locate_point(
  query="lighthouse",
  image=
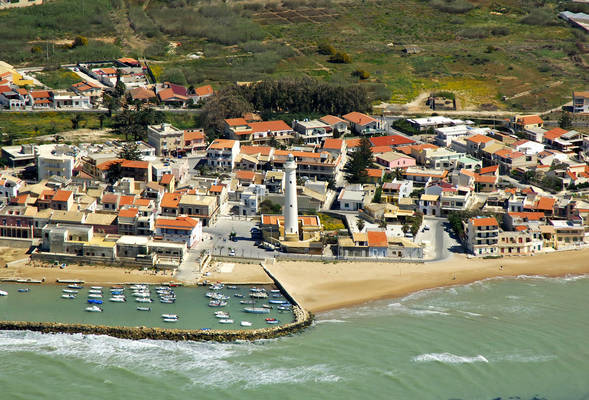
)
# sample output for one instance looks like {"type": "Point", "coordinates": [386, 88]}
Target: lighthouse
{"type": "Point", "coordinates": [291, 214]}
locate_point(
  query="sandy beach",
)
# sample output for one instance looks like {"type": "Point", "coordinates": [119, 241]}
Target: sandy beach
{"type": "Point", "coordinates": [321, 287]}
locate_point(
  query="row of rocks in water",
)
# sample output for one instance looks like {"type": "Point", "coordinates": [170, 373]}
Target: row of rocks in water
{"type": "Point", "coordinates": [302, 320]}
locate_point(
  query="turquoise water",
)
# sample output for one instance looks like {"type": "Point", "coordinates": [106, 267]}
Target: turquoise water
{"type": "Point", "coordinates": [519, 338]}
{"type": "Point", "coordinates": [44, 303]}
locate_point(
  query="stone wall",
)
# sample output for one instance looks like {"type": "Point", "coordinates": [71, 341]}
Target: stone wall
{"type": "Point", "coordinates": [303, 319]}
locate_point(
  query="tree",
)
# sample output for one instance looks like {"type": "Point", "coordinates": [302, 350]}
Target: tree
{"type": "Point", "coordinates": [76, 119]}
{"type": "Point", "coordinates": [130, 151]}
{"type": "Point", "coordinates": [111, 102]}
{"type": "Point", "coordinates": [114, 172]}
{"type": "Point", "coordinates": [377, 195]}
{"type": "Point", "coordinates": [360, 224]}
{"type": "Point", "coordinates": [565, 121]}
{"type": "Point", "coordinates": [101, 118]}
{"type": "Point", "coordinates": [267, 207]}
{"type": "Point", "coordinates": [359, 160]}
{"type": "Point", "coordinates": [79, 41]}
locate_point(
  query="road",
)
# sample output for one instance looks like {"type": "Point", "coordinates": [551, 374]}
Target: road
{"type": "Point", "coordinates": [439, 239]}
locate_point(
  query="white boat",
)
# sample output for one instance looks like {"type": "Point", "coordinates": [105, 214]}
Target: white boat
{"type": "Point", "coordinates": [222, 316]}
{"type": "Point", "coordinates": [95, 296]}
{"type": "Point", "coordinates": [143, 300]}
{"type": "Point", "coordinates": [245, 323]}
{"type": "Point", "coordinates": [272, 321]}
{"type": "Point", "coordinates": [73, 286]}
{"type": "Point", "coordinates": [217, 303]}
{"type": "Point", "coordinates": [96, 287]}
{"type": "Point", "coordinates": [141, 294]}
{"type": "Point", "coordinates": [143, 308]}
{"type": "Point", "coordinates": [225, 321]}
{"type": "Point", "coordinates": [93, 309]}
{"type": "Point", "coordinates": [256, 310]}
{"type": "Point", "coordinates": [95, 291]}
{"type": "Point", "coordinates": [117, 299]}
{"type": "Point", "coordinates": [170, 319]}
{"type": "Point", "coordinates": [68, 296]}
{"type": "Point", "coordinates": [274, 291]}
{"type": "Point", "coordinates": [169, 316]}
{"type": "Point", "coordinates": [69, 291]}
{"type": "Point", "coordinates": [259, 295]}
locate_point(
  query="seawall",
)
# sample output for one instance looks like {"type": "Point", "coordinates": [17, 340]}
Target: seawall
{"type": "Point", "coordinates": [302, 320]}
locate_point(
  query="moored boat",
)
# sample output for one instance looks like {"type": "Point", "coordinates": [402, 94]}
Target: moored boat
{"type": "Point", "coordinates": [239, 295]}
{"type": "Point", "coordinates": [217, 303]}
{"type": "Point", "coordinates": [143, 300]}
{"type": "Point", "coordinates": [225, 321]}
{"type": "Point", "coordinates": [96, 287]}
{"type": "Point", "coordinates": [117, 299]}
{"type": "Point", "coordinates": [268, 306]}
{"type": "Point", "coordinates": [69, 291]}
{"type": "Point", "coordinates": [74, 286]}
{"type": "Point", "coordinates": [143, 308]}
{"type": "Point", "coordinates": [259, 295]}
{"type": "Point", "coordinates": [68, 296]}
{"type": "Point", "coordinates": [272, 321]}
{"type": "Point", "coordinates": [170, 316]}
{"type": "Point", "coordinates": [24, 290]}
{"type": "Point", "coordinates": [256, 310]}
{"type": "Point", "coordinates": [170, 319]}
{"type": "Point", "coordinates": [94, 301]}
{"type": "Point", "coordinates": [247, 302]}
{"type": "Point", "coordinates": [93, 309]}
{"type": "Point", "coordinates": [95, 296]}
{"type": "Point", "coordinates": [245, 323]}
{"type": "Point", "coordinates": [277, 301]}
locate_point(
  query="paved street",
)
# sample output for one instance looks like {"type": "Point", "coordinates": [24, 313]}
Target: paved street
{"type": "Point", "coordinates": [438, 239]}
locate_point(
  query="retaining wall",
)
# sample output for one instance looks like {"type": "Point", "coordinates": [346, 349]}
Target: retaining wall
{"type": "Point", "coordinates": [303, 319]}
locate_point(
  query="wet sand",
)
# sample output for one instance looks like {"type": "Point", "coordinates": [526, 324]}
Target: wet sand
{"type": "Point", "coordinates": [324, 286]}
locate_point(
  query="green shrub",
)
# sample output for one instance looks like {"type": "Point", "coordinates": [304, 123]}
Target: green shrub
{"type": "Point", "coordinates": [452, 6]}
{"type": "Point", "coordinates": [360, 73]}
{"type": "Point", "coordinates": [326, 49]}
{"type": "Point", "coordinates": [340, 57]}
{"type": "Point", "coordinates": [540, 17]}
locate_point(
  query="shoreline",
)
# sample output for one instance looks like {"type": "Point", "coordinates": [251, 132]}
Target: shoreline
{"type": "Point", "coordinates": [324, 287]}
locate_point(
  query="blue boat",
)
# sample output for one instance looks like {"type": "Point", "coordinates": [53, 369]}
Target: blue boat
{"type": "Point", "coordinates": [277, 301]}
{"type": "Point", "coordinates": [94, 301]}
{"type": "Point", "coordinates": [24, 290]}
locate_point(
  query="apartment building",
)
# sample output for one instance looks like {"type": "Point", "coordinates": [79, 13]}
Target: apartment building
{"type": "Point", "coordinates": [482, 235]}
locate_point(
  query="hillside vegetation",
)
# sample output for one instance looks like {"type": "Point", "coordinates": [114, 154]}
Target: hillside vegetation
{"type": "Point", "coordinates": [481, 50]}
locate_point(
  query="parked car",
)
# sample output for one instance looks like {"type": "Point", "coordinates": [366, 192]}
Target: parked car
{"type": "Point", "coordinates": [426, 227]}
{"type": "Point", "coordinates": [408, 235]}
{"type": "Point", "coordinates": [232, 253]}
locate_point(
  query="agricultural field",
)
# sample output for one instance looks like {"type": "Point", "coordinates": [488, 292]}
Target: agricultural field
{"type": "Point", "coordinates": [504, 54]}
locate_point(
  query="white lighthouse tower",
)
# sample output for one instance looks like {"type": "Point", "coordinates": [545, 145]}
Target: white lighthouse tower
{"type": "Point", "coordinates": [291, 214]}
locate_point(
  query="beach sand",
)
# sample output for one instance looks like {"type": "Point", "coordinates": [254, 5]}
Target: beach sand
{"type": "Point", "coordinates": [324, 286]}
{"type": "Point", "coordinates": [235, 273]}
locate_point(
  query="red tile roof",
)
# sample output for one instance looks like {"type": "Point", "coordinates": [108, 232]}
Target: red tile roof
{"type": "Point", "coordinates": [381, 149]}
{"type": "Point", "coordinates": [351, 143]}
{"type": "Point", "coordinates": [128, 213]}
{"type": "Point", "coordinates": [245, 175]}
{"type": "Point", "coordinates": [135, 164]}
{"type": "Point", "coordinates": [478, 138]}
{"type": "Point", "coordinates": [486, 221]}
{"type": "Point", "coordinates": [545, 203]}
{"type": "Point", "coordinates": [358, 118]}
{"type": "Point", "coordinates": [193, 134]}
{"type": "Point", "coordinates": [126, 200]}
{"type": "Point", "coordinates": [110, 198]}
{"type": "Point", "coordinates": [62, 195]}
{"type": "Point", "coordinates": [333, 144]}
{"type": "Point", "coordinates": [377, 239]}
{"type": "Point", "coordinates": [391, 140]}
{"type": "Point", "coordinates": [489, 170]}
{"type": "Point", "coordinates": [235, 121]}
{"type": "Point", "coordinates": [374, 172]}
{"type": "Point", "coordinates": [142, 202]}
{"type": "Point", "coordinates": [331, 119]}
{"type": "Point", "coordinates": [206, 90]}
{"type": "Point", "coordinates": [266, 126]}
{"type": "Point", "coordinates": [251, 150]}
{"type": "Point", "coordinates": [216, 188]}
{"type": "Point", "coordinates": [486, 178]}
{"type": "Point", "coordinates": [183, 223]}
{"type": "Point", "coordinates": [166, 179]}
{"type": "Point", "coordinates": [529, 120]}
{"type": "Point", "coordinates": [170, 200]}
{"type": "Point", "coordinates": [529, 215]}
{"type": "Point", "coordinates": [554, 133]}
{"type": "Point", "coordinates": [221, 144]}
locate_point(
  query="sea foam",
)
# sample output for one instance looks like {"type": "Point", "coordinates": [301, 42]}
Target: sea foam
{"type": "Point", "coordinates": [448, 358]}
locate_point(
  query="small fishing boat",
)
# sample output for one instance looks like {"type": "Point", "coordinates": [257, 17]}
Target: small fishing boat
{"type": "Point", "coordinates": [276, 295]}
{"type": "Point", "coordinates": [117, 299]}
{"type": "Point", "coordinates": [216, 286]}
{"type": "Point", "coordinates": [74, 286]}
{"type": "Point", "coordinates": [94, 291]}
{"type": "Point", "coordinates": [274, 291]}
{"type": "Point", "coordinates": [259, 295]}
{"type": "Point", "coordinates": [94, 301]}
{"type": "Point", "coordinates": [68, 296]}
{"type": "Point", "coordinates": [272, 321]}
{"type": "Point", "coordinates": [247, 302]}
{"type": "Point", "coordinates": [24, 290]}
{"type": "Point", "coordinates": [69, 291]}
{"type": "Point", "coordinates": [143, 308]}
{"type": "Point", "coordinates": [116, 287]}
{"type": "Point", "coordinates": [170, 316]}
{"type": "Point", "coordinates": [170, 319]}
{"type": "Point", "coordinates": [245, 323]}
{"type": "Point", "coordinates": [232, 287]}
{"type": "Point", "coordinates": [143, 300]}
{"type": "Point", "coordinates": [239, 295]}
{"type": "Point", "coordinates": [217, 303]}
{"type": "Point", "coordinates": [117, 293]}
{"type": "Point", "coordinates": [222, 316]}
{"type": "Point", "coordinates": [167, 301]}
{"type": "Point", "coordinates": [95, 296]}
{"type": "Point", "coordinates": [3, 293]}
{"type": "Point", "coordinates": [96, 287]}
{"type": "Point", "coordinates": [256, 310]}
{"type": "Point", "coordinates": [268, 306]}
{"type": "Point", "coordinates": [284, 308]}
{"type": "Point", "coordinates": [277, 301]}
{"type": "Point", "coordinates": [141, 294]}
{"type": "Point", "coordinates": [225, 321]}
{"type": "Point", "coordinates": [93, 309]}
{"type": "Point", "coordinates": [257, 290]}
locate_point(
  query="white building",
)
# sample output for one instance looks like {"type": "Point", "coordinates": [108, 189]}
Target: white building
{"type": "Point", "coordinates": [313, 131]}
{"type": "Point", "coordinates": [291, 210]}
{"type": "Point", "coordinates": [423, 124]}
{"type": "Point", "coordinates": [222, 153]}
{"type": "Point", "coordinates": [180, 229]}
{"type": "Point", "coordinates": [250, 199]}
{"type": "Point", "coordinates": [482, 235]}
{"type": "Point", "coordinates": [165, 138]}
{"type": "Point", "coordinates": [9, 186]}
{"type": "Point", "coordinates": [351, 198]}
{"type": "Point", "coordinates": [55, 160]}
{"type": "Point", "coordinates": [71, 101]}
{"type": "Point", "coordinates": [581, 102]}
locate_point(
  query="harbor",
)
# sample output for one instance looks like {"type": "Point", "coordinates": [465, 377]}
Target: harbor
{"type": "Point", "coordinates": [205, 308]}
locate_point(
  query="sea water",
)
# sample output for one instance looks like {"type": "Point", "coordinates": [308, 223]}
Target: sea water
{"type": "Point", "coordinates": [524, 338]}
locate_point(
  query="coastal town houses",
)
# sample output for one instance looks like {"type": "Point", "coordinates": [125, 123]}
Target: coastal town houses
{"type": "Point", "coordinates": [180, 229]}
{"type": "Point", "coordinates": [482, 236]}
{"type": "Point", "coordinates": [312, 131]}
{"type": "Point", "coordinates": [362, 124]}
{"type": "Point", "coordinates": [376, 244]}
{"type": "Point", "coordinates": [260, 132]}
{"type": "Point", "coordinates": [338, 126]}
{"type": "Point", "coordinates": [522, 122]}
{"type": "Point", "coordinates": [320, 166]}
{"type": "Point", "coordinates": [581, 101]}
{"type": "Point", "coordinates": [165, 138]}
{"type": "Point", "coordinates": [222, 153]}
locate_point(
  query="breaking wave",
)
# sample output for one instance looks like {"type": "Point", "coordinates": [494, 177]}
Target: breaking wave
{"type": "Point", "coordinates": [448, 358]}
